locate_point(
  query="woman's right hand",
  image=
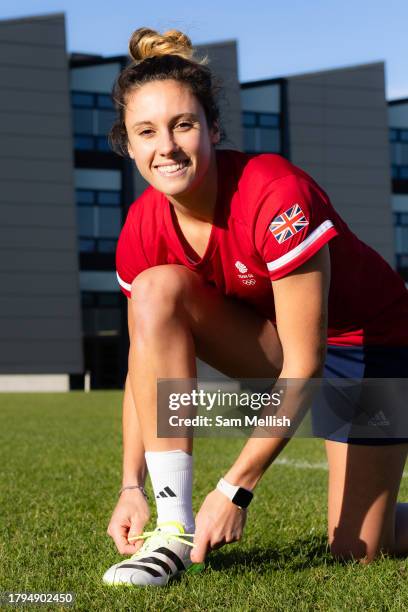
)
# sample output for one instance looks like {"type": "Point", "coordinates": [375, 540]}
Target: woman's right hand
{"type": "Point", "coordinates": [128, 519]}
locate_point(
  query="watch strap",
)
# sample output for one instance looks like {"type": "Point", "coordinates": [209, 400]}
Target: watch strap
{"type": "Point", "coordinates": [238, 495]}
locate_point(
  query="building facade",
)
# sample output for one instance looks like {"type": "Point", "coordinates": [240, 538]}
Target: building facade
{"type": "Point", "coordinates": [398, 124]}
{"type": "Point", "coordinates": [40, 315]}
{"type": "Point", "coordinates": [66, 194]}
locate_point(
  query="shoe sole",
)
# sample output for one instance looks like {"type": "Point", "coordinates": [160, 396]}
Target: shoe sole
{"type": "Point", "coordinates": [195, 568]}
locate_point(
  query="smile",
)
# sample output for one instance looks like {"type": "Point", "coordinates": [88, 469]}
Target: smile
{"type": "Point", "coordinates": [173, 169]}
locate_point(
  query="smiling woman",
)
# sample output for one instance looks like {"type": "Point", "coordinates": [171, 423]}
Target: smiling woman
{"type": "Point", "coordinates": [243, 261]}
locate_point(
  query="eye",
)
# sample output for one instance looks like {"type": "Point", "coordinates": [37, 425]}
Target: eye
{"type": "Point", "coordinates": [146, 132]}
{"type": "Point", "coordinates": [184, 125]}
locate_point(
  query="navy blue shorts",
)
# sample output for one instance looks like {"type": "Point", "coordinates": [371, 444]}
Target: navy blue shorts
{"type": "Point", "coordinates": [351, 406]}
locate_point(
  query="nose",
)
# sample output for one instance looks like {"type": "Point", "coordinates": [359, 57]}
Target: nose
{"type": "Point", "coordinates": [167, 144]}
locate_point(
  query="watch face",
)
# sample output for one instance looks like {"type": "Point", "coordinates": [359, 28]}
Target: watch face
{"type": "Point", "coordinates": [242, 498]}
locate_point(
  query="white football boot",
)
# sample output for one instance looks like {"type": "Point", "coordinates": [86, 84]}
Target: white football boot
{"type": "Point", "coordinates": [164, 555]}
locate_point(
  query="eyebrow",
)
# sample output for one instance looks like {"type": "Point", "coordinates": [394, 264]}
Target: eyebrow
{"type": "Point", "coordinates": [175, 118]}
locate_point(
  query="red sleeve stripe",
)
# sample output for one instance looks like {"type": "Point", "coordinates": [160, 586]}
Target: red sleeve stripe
{"type": "Point", "coordinates": [123, 284]}
{"type": "Point", "coordinates": [303, 246]}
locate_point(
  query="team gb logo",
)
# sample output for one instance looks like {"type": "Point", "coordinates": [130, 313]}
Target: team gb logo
{"type": "Point", "coordinates": [241, 267]}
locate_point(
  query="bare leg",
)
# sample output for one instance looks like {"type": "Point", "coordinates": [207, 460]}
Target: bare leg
{"type": "Point", "coordinates": [177, 315]}
{"type": "Point", "coordinates": [363, 519]}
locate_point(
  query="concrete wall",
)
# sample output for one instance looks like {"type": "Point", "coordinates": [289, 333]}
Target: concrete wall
{"type": "Point", "coordinates": [339, 134]}
{"type": "Point", "coordinates": [40, 329]}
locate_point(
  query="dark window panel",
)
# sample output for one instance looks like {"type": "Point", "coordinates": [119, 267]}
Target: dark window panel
{"type": "Point", "coordinates": [393, 134]}
{"type": "Point", "coordinates": [105, 120]}
{"type": "Point", "coordinates": [403, 153]}
{"type": "Point", "coordinates": [106, 246]}
{"type": "Point", "coordinates": [268, 120]}
{"type": "Point", "coordinates": [108, 319]}
{"type": "Point", "coordinates": [83, 121]}
{"type": "Point", "coordinates": [87, 298]}
{"type": "Point", "coordinates": [110, 222]}
{"type": "Point", "coordinates": [108, 198]}
{"type": "Point", "coordinates": [248, 119]}
{"type": "Point", "coordinates": [269, 140]}
{"type": "Point", "coordinates": [85, 196]}
{"type": "Point", "coordinates": [86, 222]}
{"type": "Point", "coordinates": [108, 299]}
{"type": "Point", "coordinates": [83, 143]}
{"type": "Point", "coordinates": [249, 139]}
{"type": "Point", "coordinates": [87, 245]}
{"type": "Point", "coordinates": [104, 101]}
{"type": "Point", "coordinates": [82, 99]}
{"type": "Point", "coordinates": [102, 144]}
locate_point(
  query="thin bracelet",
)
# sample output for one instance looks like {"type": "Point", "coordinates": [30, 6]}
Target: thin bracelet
{"type": "Point", "coordinates": [140, 487]}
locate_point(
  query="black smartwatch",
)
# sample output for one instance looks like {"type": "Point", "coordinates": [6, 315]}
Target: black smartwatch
{"type": "Point", "coordinates": [238, 495]}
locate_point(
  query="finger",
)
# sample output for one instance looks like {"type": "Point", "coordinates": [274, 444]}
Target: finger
{"type": "Point", "coordinates": [200, 550]}
{"type": "Point", "coordinates": [133, 539]}
{"type": "Point", "coordinates": [119, 536]}
{"type": "Point", "coordinates": [123, 546]}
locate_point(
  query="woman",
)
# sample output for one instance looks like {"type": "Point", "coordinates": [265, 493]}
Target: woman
{"type": "Point", "coordinates": [209, 221]}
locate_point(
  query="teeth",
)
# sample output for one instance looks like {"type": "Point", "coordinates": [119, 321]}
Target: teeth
{"type": "Point", "coordinates": [172, 167]}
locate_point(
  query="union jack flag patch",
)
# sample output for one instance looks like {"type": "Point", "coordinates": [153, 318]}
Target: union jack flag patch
{"type": "Point", "coordinates": [288, 223]}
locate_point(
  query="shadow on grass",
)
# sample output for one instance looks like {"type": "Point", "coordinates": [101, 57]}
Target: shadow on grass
{"type": "Point", "coordinates": [299, 554]}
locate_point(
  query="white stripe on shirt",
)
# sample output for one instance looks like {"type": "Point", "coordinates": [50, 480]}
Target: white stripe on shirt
{"type": "Point", "coordinates": [123, 284]}
{"type": "Point", "coordinates": [291, 255]}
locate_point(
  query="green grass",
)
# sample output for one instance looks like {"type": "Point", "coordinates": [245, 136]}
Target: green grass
{"type": "Point", "coordinates": [60, 470]}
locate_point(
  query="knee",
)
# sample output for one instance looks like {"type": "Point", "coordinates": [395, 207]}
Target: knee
{"type": "Point", "coordinates": [160, 291]}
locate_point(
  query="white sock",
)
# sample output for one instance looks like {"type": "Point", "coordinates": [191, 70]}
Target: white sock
{"type": "Point", "coordinates": [171, 473]}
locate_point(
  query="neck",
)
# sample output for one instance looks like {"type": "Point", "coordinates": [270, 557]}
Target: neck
{"type": "Point", "coordinates": [200, 204]}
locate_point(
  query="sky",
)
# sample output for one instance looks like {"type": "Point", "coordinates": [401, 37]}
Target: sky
{"type": "Point", "coordinates": [274, 38]}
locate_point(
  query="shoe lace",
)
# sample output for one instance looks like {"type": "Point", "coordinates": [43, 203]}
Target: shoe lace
{"type": "Point", "coordinates": [158, 537]}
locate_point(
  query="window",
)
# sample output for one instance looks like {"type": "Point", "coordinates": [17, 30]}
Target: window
{"type": "Point", "coordinates": [83, 121]}
{"type": "Point", "coordinates": [101, 313]}
{"type": "Point", "coordinates": [99, 216]}
{"type": "Point", "coordinates": [104, 101]}
{"type": "Point", "coordinates": [93, 116]}
{"type": "Point", "coordinates": [401, 242]}
{"type": "Point", "coordinates": [79, 99]}
{"type": "Point", "coordinates": [83, 143]}
{"type": "Point", "coordinates": [261, 132]}
{"type": "Point", "coordinates": [399, 153]}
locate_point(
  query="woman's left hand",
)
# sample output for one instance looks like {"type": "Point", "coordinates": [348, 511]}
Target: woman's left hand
{"type": "Point", "coordinates": [218, 522]}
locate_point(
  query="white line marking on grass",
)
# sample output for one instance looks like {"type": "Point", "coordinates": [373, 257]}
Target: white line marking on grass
{"type": "Point", "coordinates": [306, 465]}
{"type": "Point", "coordinates": [302, 465]}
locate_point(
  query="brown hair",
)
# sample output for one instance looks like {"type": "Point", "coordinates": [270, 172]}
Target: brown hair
{"type": "Point", "coordinates": [159, 57]}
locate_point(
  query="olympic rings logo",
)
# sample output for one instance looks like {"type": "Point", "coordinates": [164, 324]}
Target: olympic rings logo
{"type": "Point", "coordinates": [251, 281]}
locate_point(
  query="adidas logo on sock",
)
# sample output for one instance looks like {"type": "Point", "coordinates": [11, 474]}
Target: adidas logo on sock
{"type": "Point", "coordinates": [166, 492]}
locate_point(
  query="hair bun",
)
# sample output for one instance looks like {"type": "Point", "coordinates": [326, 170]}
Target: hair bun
{"type": "Point", "coordinates": [145, 43]}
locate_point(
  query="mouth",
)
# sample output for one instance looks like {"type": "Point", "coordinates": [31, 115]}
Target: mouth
{"type": "Point", "coordinates": [173, 168]}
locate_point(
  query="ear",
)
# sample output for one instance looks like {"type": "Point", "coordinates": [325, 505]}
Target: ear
{"type": "Point", "coordinates": [130, 151]}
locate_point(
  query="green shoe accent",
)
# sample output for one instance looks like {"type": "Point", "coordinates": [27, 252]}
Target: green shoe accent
{"type": "Point", "coordinates": [195, 568]}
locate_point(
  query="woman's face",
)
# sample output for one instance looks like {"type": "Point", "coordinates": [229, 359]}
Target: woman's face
{"type": "Point", "coordinates": [168, 136]}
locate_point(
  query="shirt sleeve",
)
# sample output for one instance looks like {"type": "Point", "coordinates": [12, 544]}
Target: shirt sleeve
{"type": "Point", "coordinates": [292, 223]}
{"type": "Point", "coordinates": [130, 257]}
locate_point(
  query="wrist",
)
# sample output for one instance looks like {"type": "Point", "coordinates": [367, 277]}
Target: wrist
{"type": "Point", "coordinates": [243, 477]}
{"type": "Point", "coordinates": [133, 488]}
{"type": "Point", "coordinates": [240, 496]}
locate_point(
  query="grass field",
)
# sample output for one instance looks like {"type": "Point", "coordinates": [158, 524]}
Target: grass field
{"type": "Point", "coordinates": [59, 476]}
